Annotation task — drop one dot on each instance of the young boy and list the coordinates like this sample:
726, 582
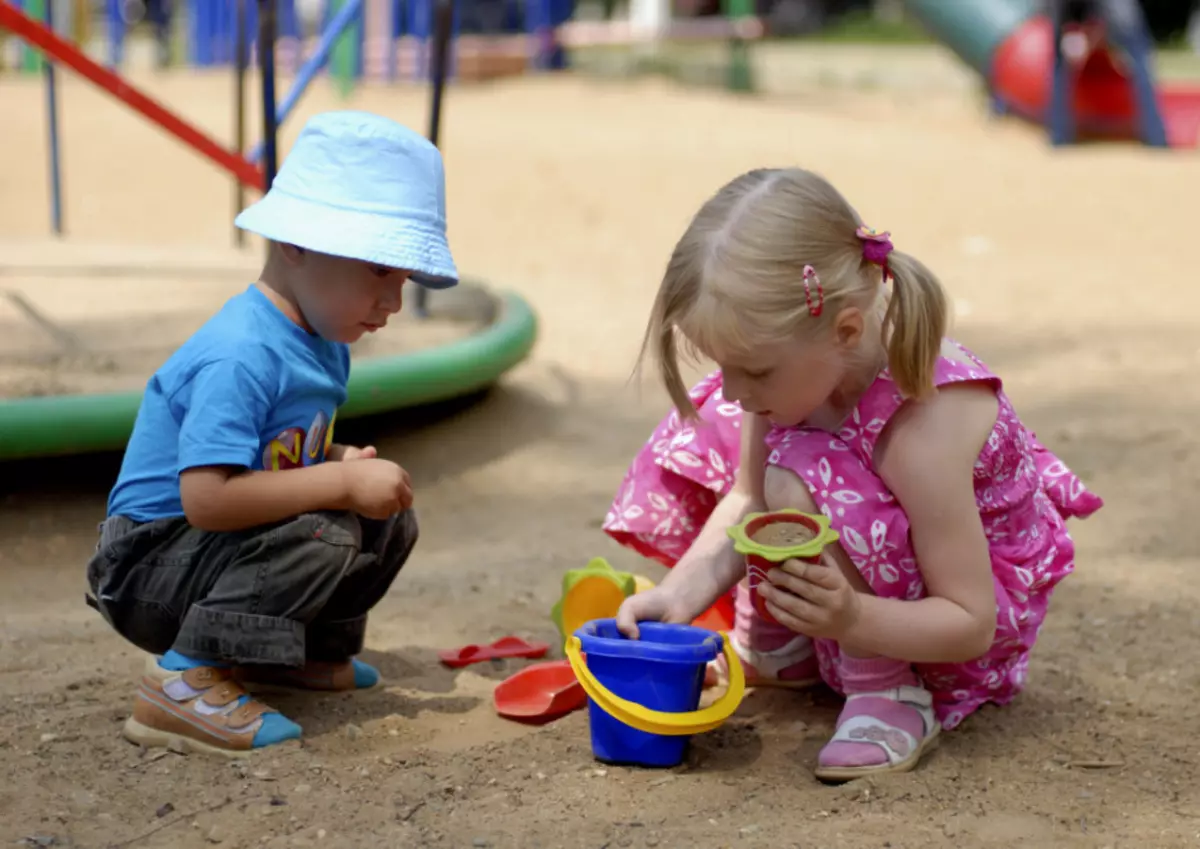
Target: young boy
242, 544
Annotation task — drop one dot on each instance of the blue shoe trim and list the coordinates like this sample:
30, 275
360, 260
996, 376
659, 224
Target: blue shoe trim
365, 675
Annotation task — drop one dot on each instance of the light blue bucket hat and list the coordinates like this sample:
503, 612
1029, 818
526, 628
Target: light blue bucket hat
361, 186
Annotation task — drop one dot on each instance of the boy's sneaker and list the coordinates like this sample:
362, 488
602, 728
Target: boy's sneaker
350, 674
203, 710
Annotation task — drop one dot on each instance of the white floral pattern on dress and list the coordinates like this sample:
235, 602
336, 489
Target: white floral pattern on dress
1024, 494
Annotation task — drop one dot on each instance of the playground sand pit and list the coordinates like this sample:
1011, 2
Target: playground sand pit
1070, 272
72, 323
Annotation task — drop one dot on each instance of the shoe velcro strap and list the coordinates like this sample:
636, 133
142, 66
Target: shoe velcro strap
222, 694
246, 714
203, 677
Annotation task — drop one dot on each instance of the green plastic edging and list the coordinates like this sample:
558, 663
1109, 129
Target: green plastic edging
80, 424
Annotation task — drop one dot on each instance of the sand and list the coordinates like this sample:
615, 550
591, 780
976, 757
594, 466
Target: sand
1072, 273
783, 534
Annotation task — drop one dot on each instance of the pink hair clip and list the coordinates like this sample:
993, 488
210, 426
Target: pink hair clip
811, 281
877, 247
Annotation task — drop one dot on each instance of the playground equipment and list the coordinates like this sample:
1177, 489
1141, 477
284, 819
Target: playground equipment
78, 424
644, 694
1018, 52
379, 39
390, 39
73, 424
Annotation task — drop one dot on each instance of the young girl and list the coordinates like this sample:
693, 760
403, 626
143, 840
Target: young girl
837, 392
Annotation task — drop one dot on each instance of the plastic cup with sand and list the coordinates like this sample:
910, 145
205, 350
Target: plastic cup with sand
768, 539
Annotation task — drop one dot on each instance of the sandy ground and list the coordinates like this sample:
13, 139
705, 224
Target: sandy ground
1072, 272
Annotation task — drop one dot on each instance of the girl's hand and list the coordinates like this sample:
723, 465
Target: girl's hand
656, 605
811, 599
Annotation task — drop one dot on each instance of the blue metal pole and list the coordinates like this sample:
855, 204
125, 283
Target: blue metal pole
56, 218
116, 34
240, 59
394, 28
313, 65
204, 33
221, 31
443, 25
420, 25
266, 62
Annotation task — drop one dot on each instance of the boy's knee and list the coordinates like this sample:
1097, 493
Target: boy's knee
404, 530
783, 489
391, 540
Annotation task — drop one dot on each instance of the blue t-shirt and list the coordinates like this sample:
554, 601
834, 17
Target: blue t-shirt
251, 388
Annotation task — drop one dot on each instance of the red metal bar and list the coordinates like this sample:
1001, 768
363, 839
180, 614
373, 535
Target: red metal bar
34, 33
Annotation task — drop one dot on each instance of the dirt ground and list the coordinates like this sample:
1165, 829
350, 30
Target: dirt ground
1072, 273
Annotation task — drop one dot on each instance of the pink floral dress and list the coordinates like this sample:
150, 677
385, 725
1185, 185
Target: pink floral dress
1024, 494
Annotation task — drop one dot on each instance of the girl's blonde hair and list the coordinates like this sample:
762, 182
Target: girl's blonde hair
735, 280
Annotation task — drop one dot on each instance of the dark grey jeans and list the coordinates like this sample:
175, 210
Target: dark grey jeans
282, 594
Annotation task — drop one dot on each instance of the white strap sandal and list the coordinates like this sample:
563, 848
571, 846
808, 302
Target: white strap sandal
792, 666
899, 723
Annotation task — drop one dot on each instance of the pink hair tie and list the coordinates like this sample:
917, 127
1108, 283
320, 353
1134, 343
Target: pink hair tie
877, 247
814, 292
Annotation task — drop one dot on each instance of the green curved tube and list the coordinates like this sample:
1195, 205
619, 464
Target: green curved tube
80, 424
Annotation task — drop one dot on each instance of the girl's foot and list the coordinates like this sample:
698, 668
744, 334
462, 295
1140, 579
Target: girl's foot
883, 731
771, 655
350, 674
792, 665
201, 709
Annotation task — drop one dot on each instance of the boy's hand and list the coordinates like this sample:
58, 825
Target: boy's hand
344, 453
351, 452
377, 488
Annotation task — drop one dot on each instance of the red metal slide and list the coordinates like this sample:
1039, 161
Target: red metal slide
65, 53
1022, 71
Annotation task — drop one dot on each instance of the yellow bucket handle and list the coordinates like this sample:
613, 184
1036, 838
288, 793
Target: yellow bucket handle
657, 722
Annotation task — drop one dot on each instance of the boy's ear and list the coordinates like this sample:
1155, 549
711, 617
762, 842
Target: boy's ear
291, 254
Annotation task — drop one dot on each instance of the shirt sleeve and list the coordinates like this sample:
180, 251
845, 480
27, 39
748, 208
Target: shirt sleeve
225, 410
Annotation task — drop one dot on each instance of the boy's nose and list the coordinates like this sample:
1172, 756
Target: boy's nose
392, 302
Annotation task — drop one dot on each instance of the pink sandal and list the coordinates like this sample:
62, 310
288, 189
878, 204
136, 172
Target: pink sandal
791, 666
771, 655
880, 732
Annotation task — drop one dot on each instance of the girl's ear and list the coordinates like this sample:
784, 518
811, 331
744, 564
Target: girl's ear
848, 328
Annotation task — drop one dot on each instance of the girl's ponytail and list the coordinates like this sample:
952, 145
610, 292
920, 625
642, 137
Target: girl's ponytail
914, 324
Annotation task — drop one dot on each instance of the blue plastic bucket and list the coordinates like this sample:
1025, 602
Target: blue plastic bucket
662, 671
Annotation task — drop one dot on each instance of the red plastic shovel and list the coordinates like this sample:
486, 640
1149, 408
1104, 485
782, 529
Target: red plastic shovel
503, 647
540, 693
